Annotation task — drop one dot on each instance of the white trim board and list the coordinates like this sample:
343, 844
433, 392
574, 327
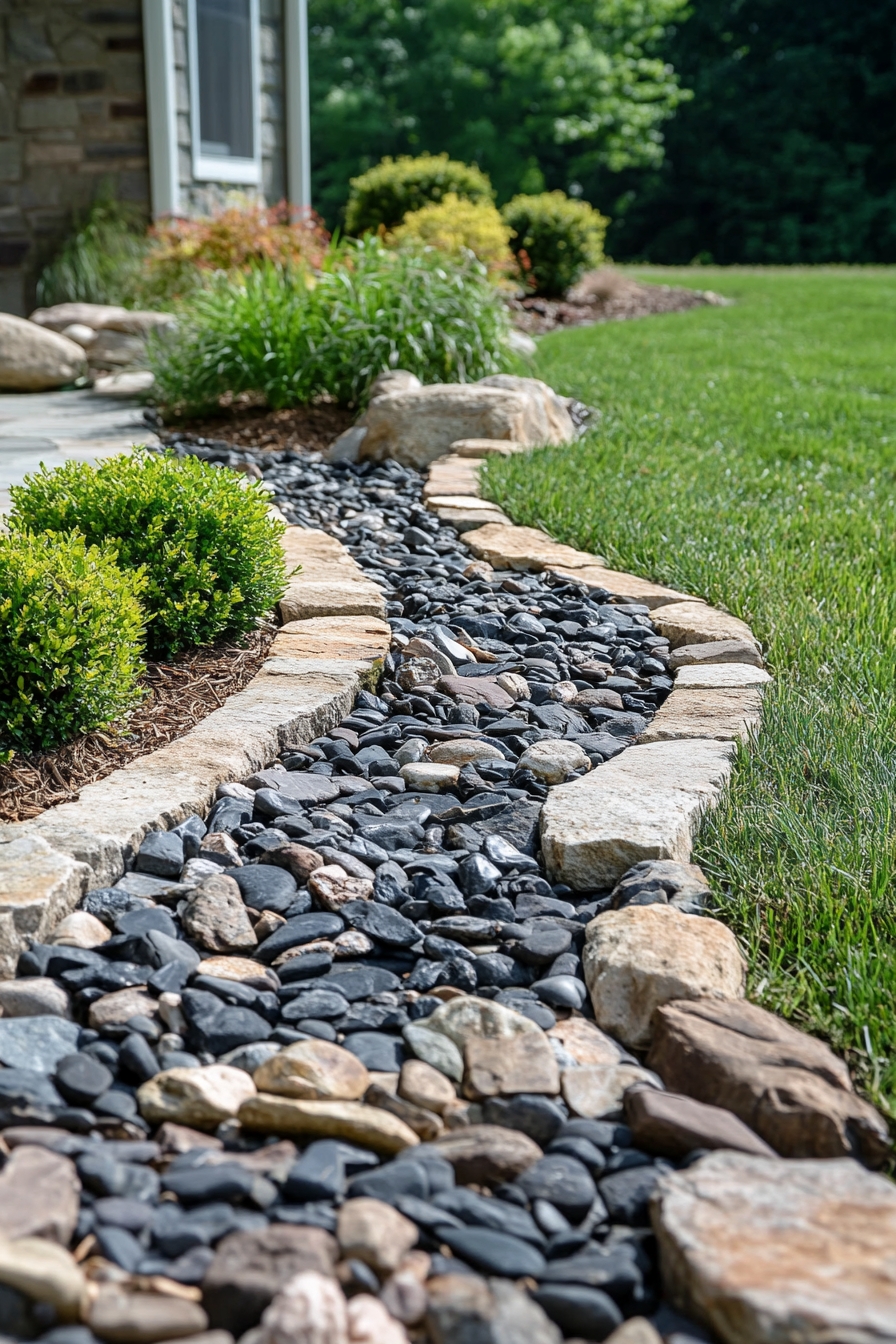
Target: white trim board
224, 168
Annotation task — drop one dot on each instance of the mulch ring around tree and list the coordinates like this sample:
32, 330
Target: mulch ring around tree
178, 695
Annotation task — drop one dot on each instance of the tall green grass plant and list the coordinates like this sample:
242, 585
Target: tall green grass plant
288, 335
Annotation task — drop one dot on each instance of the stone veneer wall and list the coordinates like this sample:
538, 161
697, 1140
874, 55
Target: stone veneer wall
72, 113
73, 116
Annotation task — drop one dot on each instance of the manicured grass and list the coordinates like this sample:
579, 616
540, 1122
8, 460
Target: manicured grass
748, 454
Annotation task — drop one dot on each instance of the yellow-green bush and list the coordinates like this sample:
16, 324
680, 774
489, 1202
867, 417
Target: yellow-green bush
454, 226
555, 239
385, 194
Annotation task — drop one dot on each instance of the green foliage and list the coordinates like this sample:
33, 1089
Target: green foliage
454, 226
385, 194
71, 626
746, 454
785, 154
209, 551
100, 261
289, 338
536, 94
555, 239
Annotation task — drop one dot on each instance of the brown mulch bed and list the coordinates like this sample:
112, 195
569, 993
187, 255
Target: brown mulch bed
178, 695
607, 296
314, 426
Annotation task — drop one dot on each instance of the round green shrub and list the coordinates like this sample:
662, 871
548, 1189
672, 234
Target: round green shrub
556, 239
210, 552
385, 194
71, 628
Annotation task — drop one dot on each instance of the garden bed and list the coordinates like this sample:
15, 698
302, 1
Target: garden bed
178, 695
313, 426
607, 296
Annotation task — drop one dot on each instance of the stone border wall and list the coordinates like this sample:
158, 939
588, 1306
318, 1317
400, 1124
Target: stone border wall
646, 803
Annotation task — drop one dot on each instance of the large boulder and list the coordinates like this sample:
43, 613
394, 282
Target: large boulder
415, 425
764, 1251
34, 359
789, 1087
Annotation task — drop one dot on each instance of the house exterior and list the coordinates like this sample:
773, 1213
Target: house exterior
170, 103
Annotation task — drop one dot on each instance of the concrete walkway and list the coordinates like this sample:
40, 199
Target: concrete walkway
52, 427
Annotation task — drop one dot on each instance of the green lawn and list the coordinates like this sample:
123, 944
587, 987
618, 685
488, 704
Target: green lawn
748, 454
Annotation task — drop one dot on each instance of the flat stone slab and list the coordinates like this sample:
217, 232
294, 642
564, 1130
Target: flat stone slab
766, 1251
716, 651
695, 623
330, 582
616, 581
721, 676
723, 715
453, 475
358, 638
644, 804
466, 517
506, 546
487, 448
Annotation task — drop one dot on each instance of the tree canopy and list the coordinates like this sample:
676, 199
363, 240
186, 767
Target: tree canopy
539, 93
786, 152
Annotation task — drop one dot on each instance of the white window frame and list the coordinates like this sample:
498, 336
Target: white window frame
223, 167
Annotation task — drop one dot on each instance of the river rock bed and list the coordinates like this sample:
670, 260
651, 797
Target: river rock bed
323, 1068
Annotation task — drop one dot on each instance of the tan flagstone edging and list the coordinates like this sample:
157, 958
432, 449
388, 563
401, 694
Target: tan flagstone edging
306, 685
648, 802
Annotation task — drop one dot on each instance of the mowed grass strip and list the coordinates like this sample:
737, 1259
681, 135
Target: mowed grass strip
748, 454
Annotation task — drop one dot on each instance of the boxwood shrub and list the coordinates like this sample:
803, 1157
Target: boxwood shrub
385, 194
71, 630
210, 553
556, 239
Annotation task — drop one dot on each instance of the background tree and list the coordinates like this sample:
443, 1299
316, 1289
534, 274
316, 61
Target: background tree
540, 93
787, 151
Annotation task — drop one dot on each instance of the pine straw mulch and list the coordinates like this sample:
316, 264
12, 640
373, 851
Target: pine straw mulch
251, 426
607, 296
179, 695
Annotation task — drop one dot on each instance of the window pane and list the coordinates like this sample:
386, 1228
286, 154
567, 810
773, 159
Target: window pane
224, 60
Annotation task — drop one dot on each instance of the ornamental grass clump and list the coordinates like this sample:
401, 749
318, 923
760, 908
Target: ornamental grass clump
210, 552
289, 336
71, 632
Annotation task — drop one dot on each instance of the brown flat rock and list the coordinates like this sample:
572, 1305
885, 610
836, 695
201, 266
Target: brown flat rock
726, 715
596, 1091
787, 1086
585, 1042
772, 1252
505, 546
39, 1195
475, 689
200, 1098
673, 1125
349, 1120
242, 969
501, 1067
143, 1318
120, 1006
488, 1154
